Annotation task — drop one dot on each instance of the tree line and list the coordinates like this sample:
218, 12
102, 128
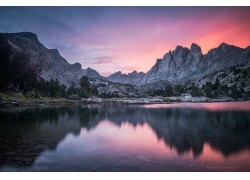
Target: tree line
209, 90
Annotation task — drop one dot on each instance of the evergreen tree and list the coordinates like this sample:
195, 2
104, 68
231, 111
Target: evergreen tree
178, 89
195, 91
52, 88
62, 91
217, 83
208, 89
235, 93
169, 91
85, 84
57, 87
5, 61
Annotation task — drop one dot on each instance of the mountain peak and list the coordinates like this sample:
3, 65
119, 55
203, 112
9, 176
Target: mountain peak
195, 48
224, 44
91, 73
77, 65
225, 47
130, 78
133, 73
118, 72
178, 48
29, 35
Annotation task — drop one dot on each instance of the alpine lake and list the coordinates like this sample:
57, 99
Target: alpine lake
114, 137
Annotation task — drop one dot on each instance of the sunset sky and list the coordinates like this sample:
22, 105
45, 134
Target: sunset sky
111, 39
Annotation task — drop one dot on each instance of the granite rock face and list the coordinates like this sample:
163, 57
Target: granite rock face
91, 73
52, 64
183, 65
117, 89
130, 78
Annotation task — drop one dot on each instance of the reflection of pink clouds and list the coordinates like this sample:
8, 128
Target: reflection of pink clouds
215, 106
220, 106
210, 154
135, 139
142, 140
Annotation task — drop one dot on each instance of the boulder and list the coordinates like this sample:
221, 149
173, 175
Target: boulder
94, 99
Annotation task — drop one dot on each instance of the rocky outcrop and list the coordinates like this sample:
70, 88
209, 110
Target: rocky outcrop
91, 73
94, 100
52, 64
77, 66
130, 78
109, 89
182, 64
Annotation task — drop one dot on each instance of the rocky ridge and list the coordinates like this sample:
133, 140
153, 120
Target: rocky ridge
183, 65
130, 78
52, 64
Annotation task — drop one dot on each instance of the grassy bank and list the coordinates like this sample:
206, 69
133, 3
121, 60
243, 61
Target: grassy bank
11, 96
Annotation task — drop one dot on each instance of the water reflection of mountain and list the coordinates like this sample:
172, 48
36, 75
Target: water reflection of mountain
26, 133
187, 128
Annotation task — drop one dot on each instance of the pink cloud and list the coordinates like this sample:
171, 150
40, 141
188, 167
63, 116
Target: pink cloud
137, 43
103, 60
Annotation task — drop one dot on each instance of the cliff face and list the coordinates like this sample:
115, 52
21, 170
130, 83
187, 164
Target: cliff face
53, 65
183, 64
91, 73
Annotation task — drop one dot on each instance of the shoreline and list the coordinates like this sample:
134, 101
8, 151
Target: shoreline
125, 101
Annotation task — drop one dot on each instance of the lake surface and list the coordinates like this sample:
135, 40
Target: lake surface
116, 137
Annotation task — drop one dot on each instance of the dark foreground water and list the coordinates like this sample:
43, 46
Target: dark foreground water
116, 137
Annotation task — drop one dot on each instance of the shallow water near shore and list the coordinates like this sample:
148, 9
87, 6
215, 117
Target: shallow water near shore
117, 137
